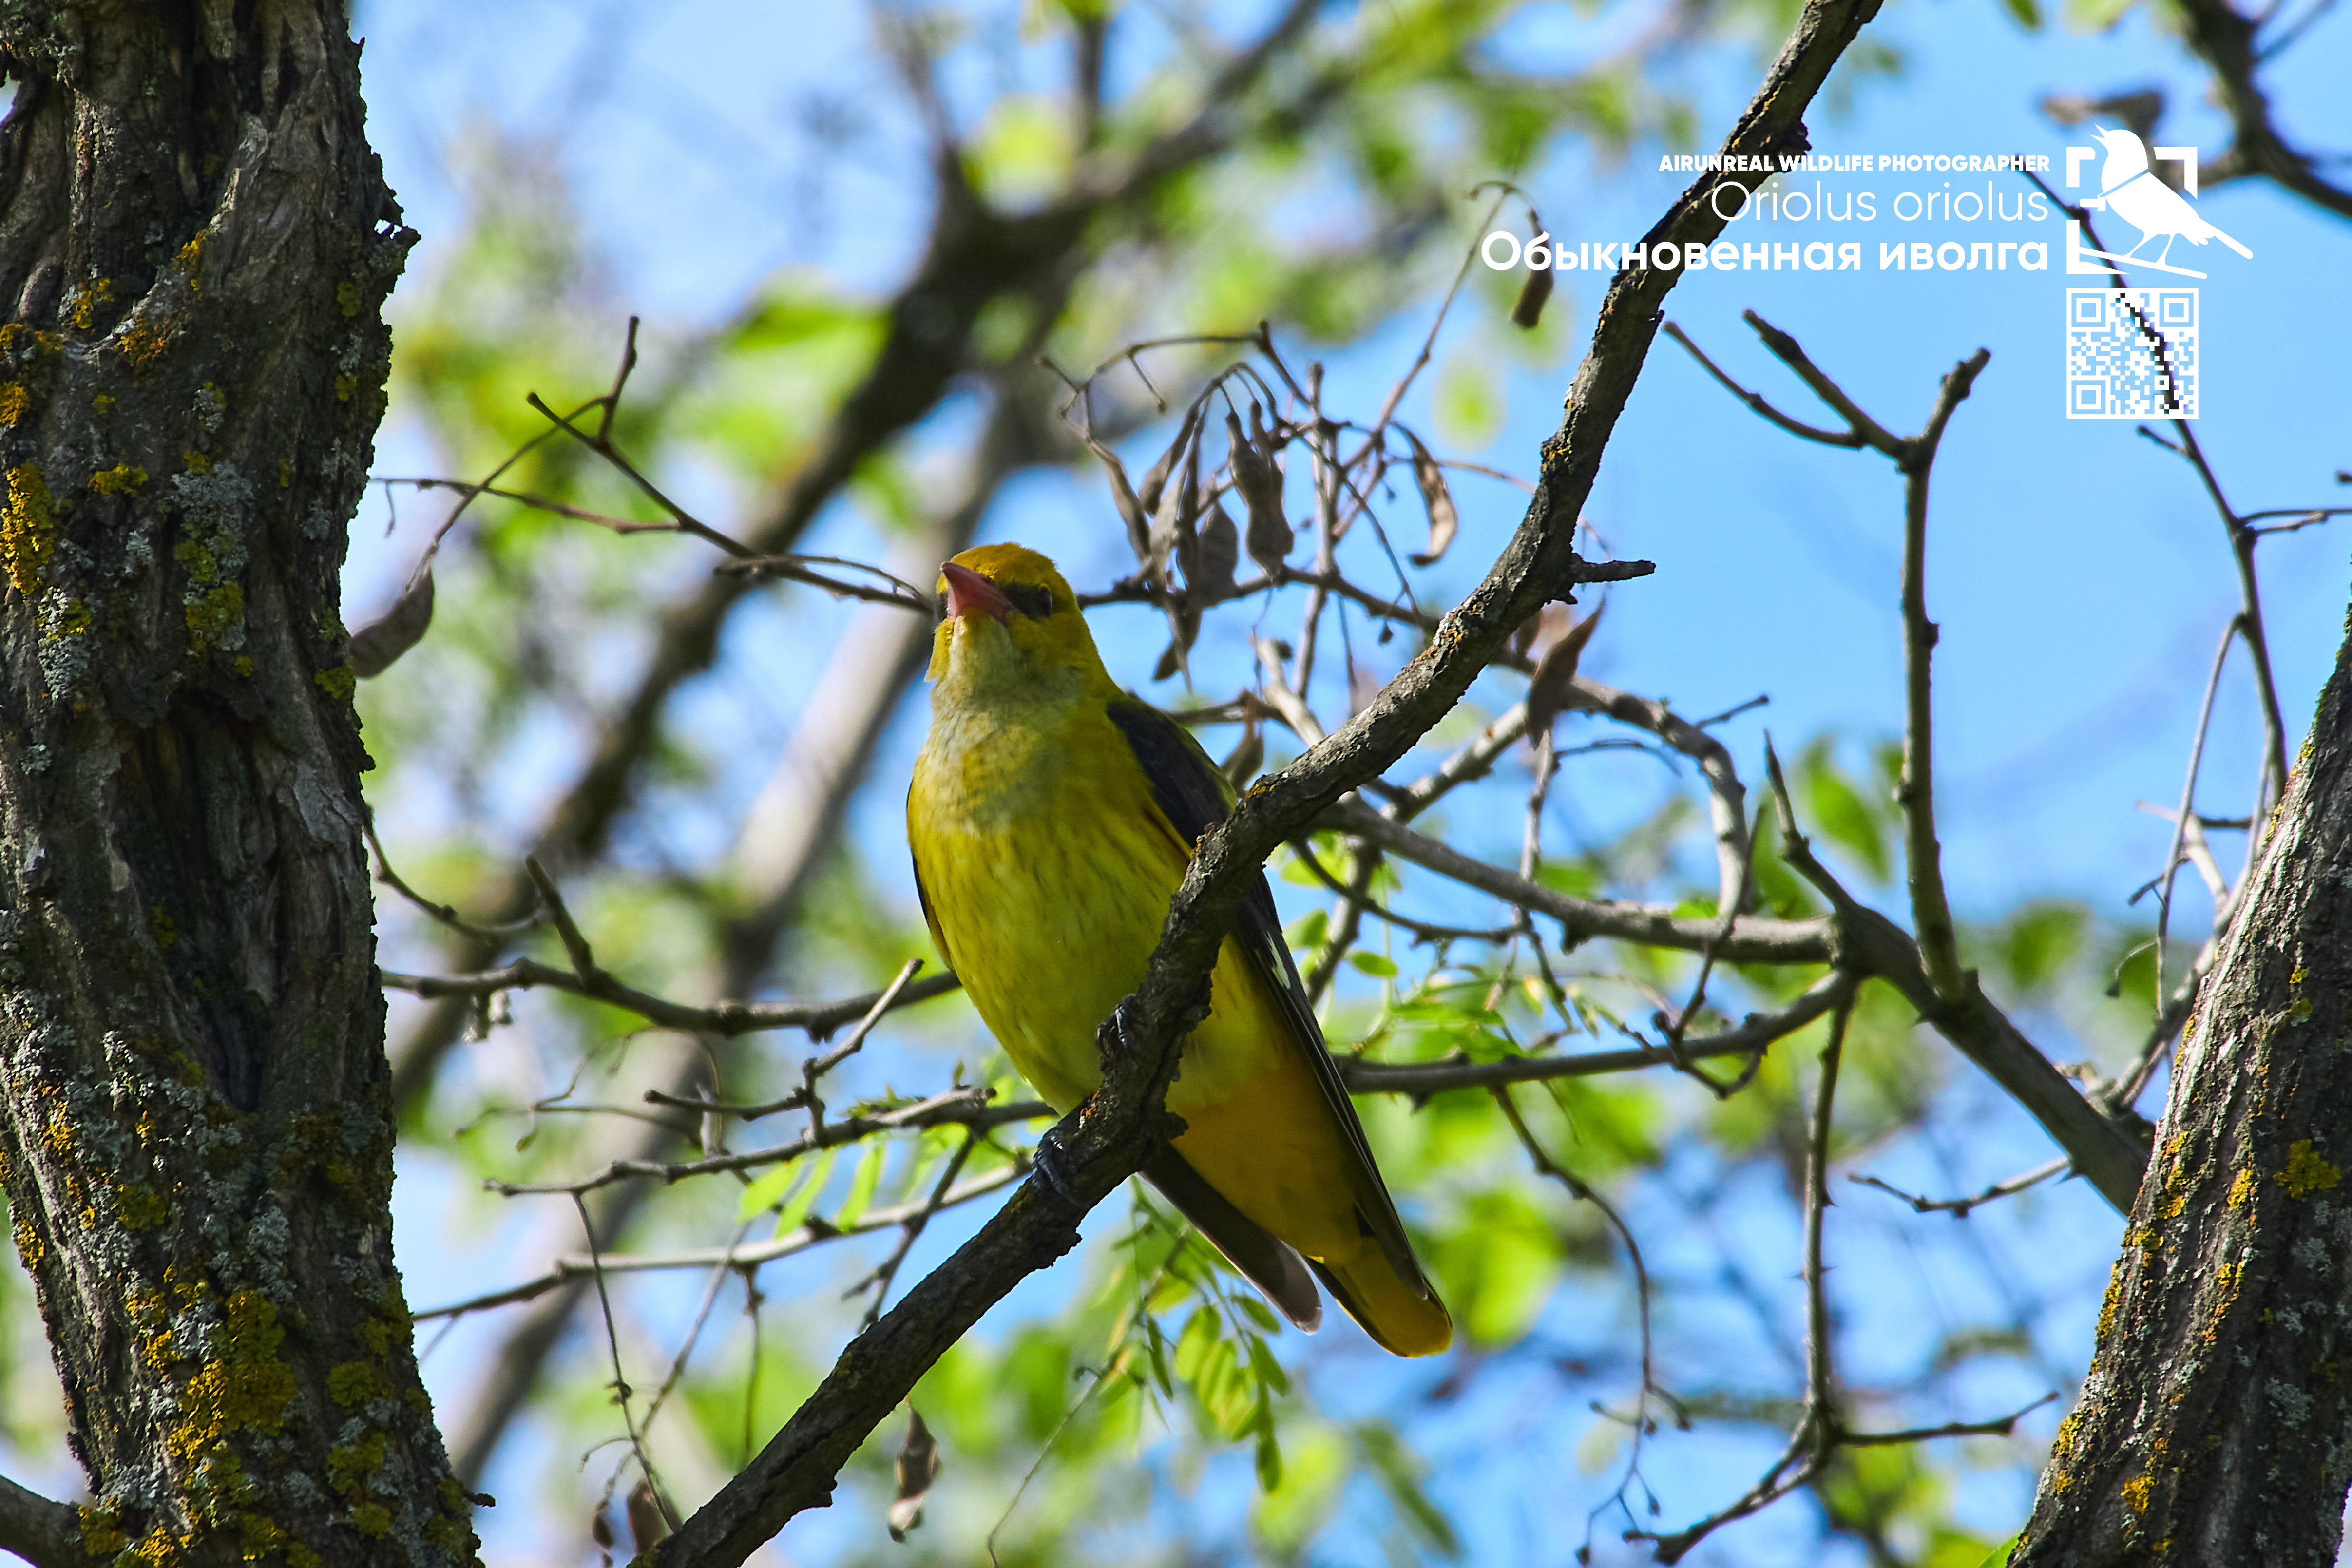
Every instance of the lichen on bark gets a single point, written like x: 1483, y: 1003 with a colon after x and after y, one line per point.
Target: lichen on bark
x: 196, y: 245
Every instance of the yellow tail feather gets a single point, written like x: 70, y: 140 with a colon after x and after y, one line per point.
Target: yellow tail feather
x: 1400, y: 1319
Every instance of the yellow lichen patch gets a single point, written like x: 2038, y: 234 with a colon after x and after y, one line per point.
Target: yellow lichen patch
x: 28, y: 1245
x: 285, y: 474
x: 213, y: 614
x: 142, y: 1207
x: 2299, y: 976
x: 102, y: 1531
x: 347, y: 297
x: 144, y: 343
x: 197, y: 462
x: 2136, y: 1493
x: 102, y: 405
x: 14, y: 402
x: 121, y: 480
x: 17, y: 339
x: 257, y: 1536
x: 338, y: 683
x: 70, y: 622
x: 156, y: 1548
x: 357, y: 1383
x: 2242, y: 1188
x: 89, y: 300
x: 2300, y: 1010
x: 344, y: 386
x: 27, y: 528
x: 371, y: 1520
x: 246, y: 1386
x: 2108, y: 1303
x: 2306, y: 1171
x: 192, y: 262
x: 160, y: 927
x: 201, y: 567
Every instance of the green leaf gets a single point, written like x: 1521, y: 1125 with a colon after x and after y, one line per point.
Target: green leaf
x: 1308, y: 930
x: 1375, y: 964
x: 1999, y: 1558
x: 2027, y: 12
x: 2039, y: 940
x: 1194, y: 1344
x: 769, y: 1189
x: 797, y: 1210
x: 862, y: 1183
x: 1397, y: 1472
x: 1832, y: 806
x: 1468, y: 405
x: 1269, y: 1459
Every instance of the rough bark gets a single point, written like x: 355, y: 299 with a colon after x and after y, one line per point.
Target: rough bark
x: 2216, y: 1424
x: 195, y: 243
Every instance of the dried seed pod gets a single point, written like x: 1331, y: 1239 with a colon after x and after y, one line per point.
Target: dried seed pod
x: 1260, y: 482
x: 1528, y: 311
x: 918, y: 1467
x: 1548, y: 690
x: 1155, y: 479
x: 377, y: 645
x: 1220, y: 549
x: 1444, y: 520
x: 1131, y: 509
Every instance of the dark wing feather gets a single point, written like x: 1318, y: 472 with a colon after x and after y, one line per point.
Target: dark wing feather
x: 1262, y: 1258
x: 1194, y: 796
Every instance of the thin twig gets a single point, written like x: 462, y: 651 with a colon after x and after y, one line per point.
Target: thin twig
x: 1959, y: 1207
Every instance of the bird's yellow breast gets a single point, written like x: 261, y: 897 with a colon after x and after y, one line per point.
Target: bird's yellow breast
x: 1048, y: 868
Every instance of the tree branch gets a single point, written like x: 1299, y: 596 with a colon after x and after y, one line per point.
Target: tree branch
x: 44, y: 1533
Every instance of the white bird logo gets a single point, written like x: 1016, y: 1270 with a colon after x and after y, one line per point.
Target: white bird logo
x: 2128, y: 190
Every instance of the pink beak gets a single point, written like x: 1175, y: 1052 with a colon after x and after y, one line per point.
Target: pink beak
x: 969, y: 594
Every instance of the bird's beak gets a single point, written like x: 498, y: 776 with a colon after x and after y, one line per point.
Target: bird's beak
x: 969, y: 594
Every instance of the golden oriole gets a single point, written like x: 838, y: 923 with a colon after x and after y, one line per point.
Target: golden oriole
x: 1051, y: 819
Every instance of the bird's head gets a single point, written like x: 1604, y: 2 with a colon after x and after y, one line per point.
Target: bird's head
x: 1009, y: 628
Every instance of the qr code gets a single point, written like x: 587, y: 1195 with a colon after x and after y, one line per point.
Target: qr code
x: 2131, y: 353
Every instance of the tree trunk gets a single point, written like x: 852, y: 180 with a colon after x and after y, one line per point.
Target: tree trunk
x: 2216, y: 1424
x: 195, y: 243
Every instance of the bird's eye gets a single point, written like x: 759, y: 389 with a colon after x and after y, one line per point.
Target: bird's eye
x: 1032, y: 599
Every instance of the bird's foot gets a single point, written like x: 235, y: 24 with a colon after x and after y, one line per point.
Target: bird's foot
x: 1119, y: 1034
x: 1051, y: 1163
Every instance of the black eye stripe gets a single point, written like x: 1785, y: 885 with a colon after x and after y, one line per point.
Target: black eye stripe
x: 1032, y: 599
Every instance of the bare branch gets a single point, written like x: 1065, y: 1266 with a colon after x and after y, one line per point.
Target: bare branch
x: 1834, y: 990
x: 800, y: 1238
x: 1999, y: 1426
x: 955, y: 1107
x: 2224, y: 37
x: 44, y: 1533
x: 1753, y: 939
x: 2110, y: 1156
x: 724, y: 1019
x: 1847, y: 438
x: 1959, y: 1207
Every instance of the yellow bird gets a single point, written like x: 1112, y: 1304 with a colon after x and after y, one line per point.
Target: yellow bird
x: 1051, y: 819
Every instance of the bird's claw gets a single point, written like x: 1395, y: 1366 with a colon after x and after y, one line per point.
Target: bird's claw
x: 1117, y: 1036
x: 1051, y: 1163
